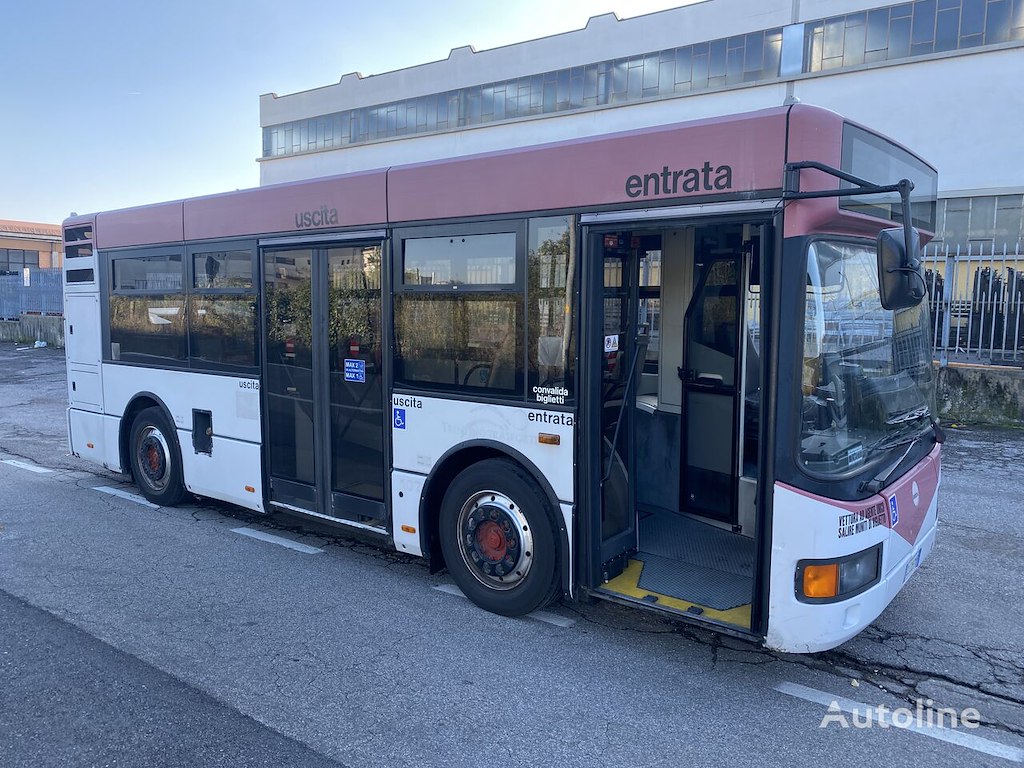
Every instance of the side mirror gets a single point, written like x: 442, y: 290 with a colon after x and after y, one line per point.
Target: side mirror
x: 900, y: 270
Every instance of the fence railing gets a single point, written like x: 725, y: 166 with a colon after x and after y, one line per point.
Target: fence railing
x: 976, y: 296
x: 44, y: 295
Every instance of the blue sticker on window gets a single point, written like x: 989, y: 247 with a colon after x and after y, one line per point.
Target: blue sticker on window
x: 355, y: 370
x: 894, y: 512
x: 399, y: 419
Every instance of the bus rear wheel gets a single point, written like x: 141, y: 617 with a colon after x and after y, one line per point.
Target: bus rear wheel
x: 156, y: 459
x: 498, y: 540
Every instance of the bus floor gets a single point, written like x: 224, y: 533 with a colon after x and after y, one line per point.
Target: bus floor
x: 686, y: 566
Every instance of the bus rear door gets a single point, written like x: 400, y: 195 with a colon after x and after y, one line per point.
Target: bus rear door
x: 324, y: 383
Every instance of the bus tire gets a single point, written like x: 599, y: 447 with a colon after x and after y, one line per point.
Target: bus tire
x: 155, y: 458
x: 498, y: 539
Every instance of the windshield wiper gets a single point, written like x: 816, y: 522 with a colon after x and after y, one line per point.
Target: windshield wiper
x: 912, y: 415
x: 877, y: 483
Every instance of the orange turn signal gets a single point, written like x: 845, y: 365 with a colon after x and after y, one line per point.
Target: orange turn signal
x: 250, y: 489
x: 821, y: 580
x: 546, y: 438
x: 408, y: 529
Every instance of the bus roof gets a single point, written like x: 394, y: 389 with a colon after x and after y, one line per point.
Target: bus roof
x: 719, y: 158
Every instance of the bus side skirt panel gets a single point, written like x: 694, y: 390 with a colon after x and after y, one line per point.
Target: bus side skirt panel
x: 232, y: 471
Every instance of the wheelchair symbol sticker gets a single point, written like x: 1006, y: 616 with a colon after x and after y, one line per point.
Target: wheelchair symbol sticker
x: 894, y: 512
x: 399, y: 420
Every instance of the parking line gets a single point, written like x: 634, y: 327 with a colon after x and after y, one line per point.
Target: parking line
x: 125, y: 495
x: 449, y: 589
x: 270, y: 538
x: 884, y: 719
x: 552, y: 618
x: 546, y: 616
x: 25, y: 465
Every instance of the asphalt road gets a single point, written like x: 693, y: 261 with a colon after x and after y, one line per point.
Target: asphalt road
x: 132, y: 635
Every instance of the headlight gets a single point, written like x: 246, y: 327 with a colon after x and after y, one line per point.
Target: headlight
x: 819, y: 581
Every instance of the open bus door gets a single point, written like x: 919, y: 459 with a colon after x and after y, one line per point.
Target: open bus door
x: 672, y: 407
x: 617, y: 254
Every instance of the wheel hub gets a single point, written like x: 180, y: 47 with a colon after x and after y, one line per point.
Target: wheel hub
x: 496, y: 541
x: 153, y: 458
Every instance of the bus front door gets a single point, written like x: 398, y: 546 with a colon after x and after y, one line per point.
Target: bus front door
x: 323, y: 382
x: 617, y: 376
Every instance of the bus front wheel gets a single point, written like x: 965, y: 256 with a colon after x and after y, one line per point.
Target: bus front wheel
x: 498, y: 540
x: 156, y: 459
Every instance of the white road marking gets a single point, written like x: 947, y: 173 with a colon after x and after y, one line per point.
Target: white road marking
x: 24, y: 465
x: 270, y: 538
x: 552, y: 618
x: 546, y: 616
x: 126, y: 495
x: 952, y: 736
x: 450, y: 589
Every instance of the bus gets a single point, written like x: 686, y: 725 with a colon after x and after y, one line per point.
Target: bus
x: 684, y: 368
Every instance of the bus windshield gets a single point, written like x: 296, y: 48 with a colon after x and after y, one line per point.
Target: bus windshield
x: 867, y: 378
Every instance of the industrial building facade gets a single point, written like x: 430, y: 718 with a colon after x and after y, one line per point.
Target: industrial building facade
x: 940, y: 76
x: 29, y: 244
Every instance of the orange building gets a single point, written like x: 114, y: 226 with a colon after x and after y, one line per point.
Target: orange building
x: 29, y: 244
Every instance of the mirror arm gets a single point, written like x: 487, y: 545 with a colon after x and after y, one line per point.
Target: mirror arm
x: 905, y: 187
x: 791, y: 190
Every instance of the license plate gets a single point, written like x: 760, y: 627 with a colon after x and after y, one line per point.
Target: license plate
x: 911, y: 565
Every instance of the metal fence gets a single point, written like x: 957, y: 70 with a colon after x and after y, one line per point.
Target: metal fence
x: 976, y: 296
x: 44, y: 295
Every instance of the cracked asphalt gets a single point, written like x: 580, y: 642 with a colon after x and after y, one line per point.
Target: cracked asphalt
x: 138, y: 636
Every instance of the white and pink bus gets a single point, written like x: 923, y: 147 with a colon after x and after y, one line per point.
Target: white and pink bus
x: 684, y: 368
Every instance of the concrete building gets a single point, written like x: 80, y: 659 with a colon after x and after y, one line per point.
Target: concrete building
x: 940, y: 76
x: 29, y: 244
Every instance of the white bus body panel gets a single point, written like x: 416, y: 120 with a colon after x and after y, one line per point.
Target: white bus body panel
x: 82, y: 329
x: 87, y: 437
x: 226, y: 472
x: 406, y: 491
x: 82, y: 351
x: 235, y: 462
x: 424, y: 429
x: 431, y: 427
x: 234, y: 401
x: 812, y: 528
x: 85, y: 390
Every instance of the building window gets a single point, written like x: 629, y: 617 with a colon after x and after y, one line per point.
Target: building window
x: 983, y: 223
x: 739, y: 59
x: 877, y: 35
x: 13, y: 260
x: 909, y: 29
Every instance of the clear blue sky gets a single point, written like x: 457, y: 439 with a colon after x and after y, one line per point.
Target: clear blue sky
x: 113, y: 103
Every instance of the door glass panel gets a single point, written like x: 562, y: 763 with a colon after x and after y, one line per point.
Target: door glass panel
x: 354, y: 339
x: 709, y: 392
x: 616, y: 508
x: 711, y: 331
x: 289, y: 384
